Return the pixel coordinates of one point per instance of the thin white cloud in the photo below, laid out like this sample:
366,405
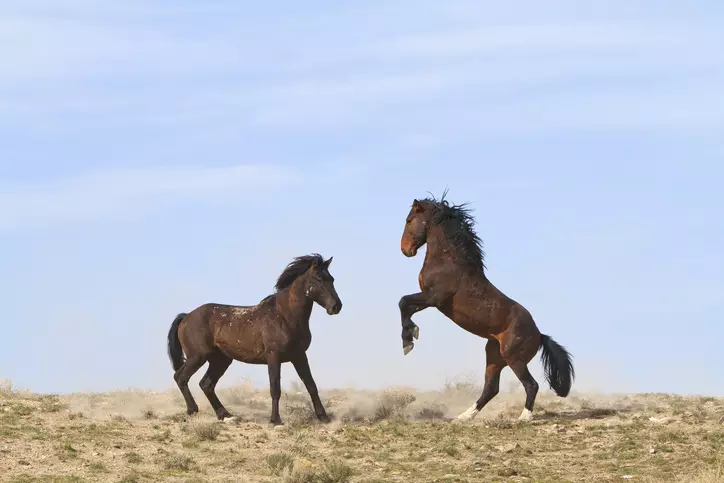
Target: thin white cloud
111,192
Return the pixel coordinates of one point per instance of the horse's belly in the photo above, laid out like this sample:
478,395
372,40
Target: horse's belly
239,343
248,355
469,318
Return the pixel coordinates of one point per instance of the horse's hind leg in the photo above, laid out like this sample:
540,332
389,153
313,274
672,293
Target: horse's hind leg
218,364
520,368
520,344
494,366
193,363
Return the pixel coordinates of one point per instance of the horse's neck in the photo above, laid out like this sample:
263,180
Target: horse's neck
438,246
441,251
295,305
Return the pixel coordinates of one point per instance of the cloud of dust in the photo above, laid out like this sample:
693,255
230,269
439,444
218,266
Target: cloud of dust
251,403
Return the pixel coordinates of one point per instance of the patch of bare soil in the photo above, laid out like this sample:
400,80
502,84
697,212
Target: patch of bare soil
396,435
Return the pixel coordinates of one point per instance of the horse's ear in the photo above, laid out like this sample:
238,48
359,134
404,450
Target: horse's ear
417,206
328,262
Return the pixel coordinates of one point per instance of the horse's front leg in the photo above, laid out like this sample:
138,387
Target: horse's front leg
301,364
409,305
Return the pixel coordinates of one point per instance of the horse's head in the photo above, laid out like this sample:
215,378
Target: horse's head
319,287
416,225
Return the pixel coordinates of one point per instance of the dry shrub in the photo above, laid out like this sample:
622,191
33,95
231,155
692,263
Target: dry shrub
133,458
149,413
392,403
301,471
205,431
279,462
299,411
463,385
179,462
335,471
500,422
432,411
6,388
51,404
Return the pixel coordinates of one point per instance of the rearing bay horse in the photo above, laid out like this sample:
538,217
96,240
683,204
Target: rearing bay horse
453,280
272,332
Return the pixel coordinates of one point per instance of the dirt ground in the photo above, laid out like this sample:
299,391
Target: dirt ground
376,436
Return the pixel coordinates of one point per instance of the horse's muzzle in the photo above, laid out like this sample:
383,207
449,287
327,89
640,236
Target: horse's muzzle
335,308
410,252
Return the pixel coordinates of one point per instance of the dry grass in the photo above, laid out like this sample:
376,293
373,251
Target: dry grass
397,435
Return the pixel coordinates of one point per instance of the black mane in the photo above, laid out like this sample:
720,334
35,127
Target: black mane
296,268
458,225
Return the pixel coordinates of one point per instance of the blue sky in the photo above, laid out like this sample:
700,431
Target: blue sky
159,155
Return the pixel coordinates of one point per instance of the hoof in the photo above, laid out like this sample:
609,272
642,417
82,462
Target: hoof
192,412
276,423
469,415
526,415
324,419
223,415
408,347
416,332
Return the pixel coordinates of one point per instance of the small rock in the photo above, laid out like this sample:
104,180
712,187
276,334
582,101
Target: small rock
508,448
652,451
627,477
477,469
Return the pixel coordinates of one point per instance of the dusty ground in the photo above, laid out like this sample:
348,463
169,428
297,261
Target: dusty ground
393,435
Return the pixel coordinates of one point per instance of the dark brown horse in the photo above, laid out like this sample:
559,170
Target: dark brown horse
272,332
453,280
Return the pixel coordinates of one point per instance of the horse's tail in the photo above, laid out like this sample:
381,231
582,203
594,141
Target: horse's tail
557,366
175,351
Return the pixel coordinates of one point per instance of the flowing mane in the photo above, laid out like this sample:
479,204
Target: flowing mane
295,269
458,225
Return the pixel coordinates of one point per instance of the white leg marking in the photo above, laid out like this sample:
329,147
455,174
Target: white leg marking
470,414
526,415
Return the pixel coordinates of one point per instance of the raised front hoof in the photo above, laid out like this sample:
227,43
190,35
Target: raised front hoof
526,415
410,331
468,415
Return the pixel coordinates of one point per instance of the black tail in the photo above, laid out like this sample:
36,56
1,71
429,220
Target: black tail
557,366
175,351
